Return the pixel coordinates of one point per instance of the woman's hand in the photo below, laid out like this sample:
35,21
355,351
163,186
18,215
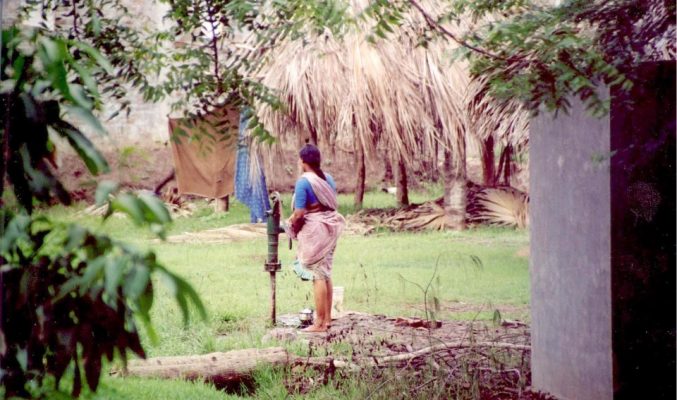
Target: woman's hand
295,221
296,215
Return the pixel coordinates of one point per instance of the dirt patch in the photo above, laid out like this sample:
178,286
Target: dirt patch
378,335
143,165
134,166
459,359
243,232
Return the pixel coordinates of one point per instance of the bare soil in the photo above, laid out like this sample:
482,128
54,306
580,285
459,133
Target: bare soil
477,359
138,165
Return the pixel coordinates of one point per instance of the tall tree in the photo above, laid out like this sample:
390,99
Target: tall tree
401,183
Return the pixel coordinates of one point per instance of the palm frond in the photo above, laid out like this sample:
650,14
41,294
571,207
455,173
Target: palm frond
503,207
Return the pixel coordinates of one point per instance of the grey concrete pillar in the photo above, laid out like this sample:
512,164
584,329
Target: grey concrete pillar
570,255
603,246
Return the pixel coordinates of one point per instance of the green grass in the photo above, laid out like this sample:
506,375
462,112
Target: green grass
380,273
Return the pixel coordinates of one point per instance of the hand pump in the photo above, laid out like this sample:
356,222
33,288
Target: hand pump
272,264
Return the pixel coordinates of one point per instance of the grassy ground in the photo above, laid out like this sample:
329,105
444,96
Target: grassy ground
472,273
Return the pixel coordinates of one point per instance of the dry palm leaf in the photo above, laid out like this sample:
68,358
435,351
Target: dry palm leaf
504,207
427,216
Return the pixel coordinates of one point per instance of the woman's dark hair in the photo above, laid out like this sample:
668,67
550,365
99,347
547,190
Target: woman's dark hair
310,155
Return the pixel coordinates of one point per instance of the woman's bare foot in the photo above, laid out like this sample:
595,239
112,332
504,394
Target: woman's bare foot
315,328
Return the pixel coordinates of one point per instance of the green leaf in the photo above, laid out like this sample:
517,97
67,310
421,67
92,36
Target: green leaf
152,335
18,66
76,235
93,159
169,281
52,54
86,77
136,282
189,293
84,114
96,55
130,205
183,293
80,96
104,190
22,358
114,268
155,208
93,270
16,230
30,106
145,301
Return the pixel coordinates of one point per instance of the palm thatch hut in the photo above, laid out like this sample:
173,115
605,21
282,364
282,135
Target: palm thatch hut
389,94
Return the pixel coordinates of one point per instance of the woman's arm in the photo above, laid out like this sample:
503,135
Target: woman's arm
299,200
296,215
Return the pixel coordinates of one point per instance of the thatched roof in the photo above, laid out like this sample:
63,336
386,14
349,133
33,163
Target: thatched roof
351,92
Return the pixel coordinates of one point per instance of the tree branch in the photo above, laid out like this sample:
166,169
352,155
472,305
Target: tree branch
75,20
436,26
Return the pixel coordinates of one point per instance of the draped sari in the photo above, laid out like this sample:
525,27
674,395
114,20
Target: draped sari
321,229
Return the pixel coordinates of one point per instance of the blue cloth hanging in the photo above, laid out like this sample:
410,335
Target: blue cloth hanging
252,194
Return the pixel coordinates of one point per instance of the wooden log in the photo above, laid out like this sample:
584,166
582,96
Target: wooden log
228,369
234,368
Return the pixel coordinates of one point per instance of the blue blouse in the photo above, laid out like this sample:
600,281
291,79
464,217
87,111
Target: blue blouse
303,192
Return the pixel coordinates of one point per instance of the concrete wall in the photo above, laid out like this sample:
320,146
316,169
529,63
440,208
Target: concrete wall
147,122
570,255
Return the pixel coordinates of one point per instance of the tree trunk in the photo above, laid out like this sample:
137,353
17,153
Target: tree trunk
222,204
435,172
488,166
505,166
313,135
388,174
402,190
361,177
455,187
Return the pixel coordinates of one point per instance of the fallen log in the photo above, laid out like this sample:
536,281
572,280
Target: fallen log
224,370
235,368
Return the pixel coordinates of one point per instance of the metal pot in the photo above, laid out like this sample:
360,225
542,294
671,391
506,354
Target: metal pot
306,316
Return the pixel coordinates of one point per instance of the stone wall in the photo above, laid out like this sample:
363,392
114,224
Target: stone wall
147,122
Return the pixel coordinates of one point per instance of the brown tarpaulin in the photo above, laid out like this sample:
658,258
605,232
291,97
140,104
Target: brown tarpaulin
204,152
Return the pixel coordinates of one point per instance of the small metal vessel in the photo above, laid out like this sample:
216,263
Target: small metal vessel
306,316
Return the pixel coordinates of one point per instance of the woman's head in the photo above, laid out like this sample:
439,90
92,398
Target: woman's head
310,156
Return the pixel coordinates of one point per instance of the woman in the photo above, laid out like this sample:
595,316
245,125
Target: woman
316,225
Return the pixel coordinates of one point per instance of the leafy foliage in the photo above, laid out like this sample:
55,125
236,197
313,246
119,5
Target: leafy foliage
205,55
133,56
216,47
69,296
541,54
43,78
